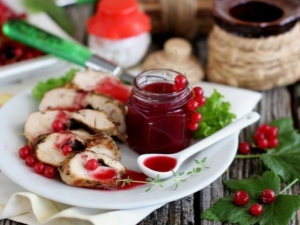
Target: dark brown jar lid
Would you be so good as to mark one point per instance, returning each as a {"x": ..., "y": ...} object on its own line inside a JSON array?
[{"x": 256, "y": 18}]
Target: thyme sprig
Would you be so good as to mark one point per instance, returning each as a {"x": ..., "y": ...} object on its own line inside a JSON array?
[{"x": 177, "y": 177}]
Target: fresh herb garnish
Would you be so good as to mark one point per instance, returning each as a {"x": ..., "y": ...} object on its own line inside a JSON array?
[
  {"x": 42, "y": 87},
  {"x": 279, "y": 212},
  {"x": 284, "y": 159},
  {"x": 215, "y": 115},
  {"x": 177, "y": 177},
  {"x": 58, "y": 14}
]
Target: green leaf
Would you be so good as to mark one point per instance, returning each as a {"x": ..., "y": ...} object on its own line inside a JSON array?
[
  {"x": 58, "y": 14},
  {"x": 284, "y": 160},
  {"x": 42, "y": 87},
  {"x": 278, "y": 213},
  {"x": 215, "y": 115}
]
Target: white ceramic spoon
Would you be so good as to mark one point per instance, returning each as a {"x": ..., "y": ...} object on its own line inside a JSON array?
[{"x": 180, "y": 157}]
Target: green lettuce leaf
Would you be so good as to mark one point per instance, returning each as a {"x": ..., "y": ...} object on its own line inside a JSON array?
[
  {"x": 42, "y": 87},
  {"x": 215, "y": 115}
]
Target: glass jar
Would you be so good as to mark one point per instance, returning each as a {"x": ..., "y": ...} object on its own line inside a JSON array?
[{"x": 157, "y": 119}]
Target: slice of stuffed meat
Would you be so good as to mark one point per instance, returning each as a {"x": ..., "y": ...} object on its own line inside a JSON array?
[{"x": 77, "y": 171}]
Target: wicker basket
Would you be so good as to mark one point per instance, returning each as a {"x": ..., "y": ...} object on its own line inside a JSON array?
[
  {"x": 181, "y": 18},
  {"x": 254, "y": 63}
]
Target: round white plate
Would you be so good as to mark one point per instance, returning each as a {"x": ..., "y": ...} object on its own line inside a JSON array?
[{"x": 219, "y": 157}]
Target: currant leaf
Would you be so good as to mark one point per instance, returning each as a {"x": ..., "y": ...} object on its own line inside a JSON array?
[
  {"x": 284, "y": 159},
  {"x": 278, "y": 213}
]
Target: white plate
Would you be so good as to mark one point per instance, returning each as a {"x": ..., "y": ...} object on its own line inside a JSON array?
[{"x": 219, "y": 157}]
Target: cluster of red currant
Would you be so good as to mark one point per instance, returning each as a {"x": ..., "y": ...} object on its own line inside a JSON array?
[
  {"x": 194, "y": 103},
  {"x": 12, "y": 51},
  {"x": 25, "y": 153},
  {"x": 265, "y": 137},
  {"x": 241, "y": 198}
]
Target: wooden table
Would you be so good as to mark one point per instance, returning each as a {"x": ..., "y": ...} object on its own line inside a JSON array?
[{"x": 276, "y": 103}]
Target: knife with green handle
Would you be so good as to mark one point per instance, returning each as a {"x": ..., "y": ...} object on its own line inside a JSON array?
[{"x": 35, "y": 37}]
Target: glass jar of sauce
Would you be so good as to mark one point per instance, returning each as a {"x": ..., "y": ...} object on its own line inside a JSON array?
[{"x": 157, "y": 119}]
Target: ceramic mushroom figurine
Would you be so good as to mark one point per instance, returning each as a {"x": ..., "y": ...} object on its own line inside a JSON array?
[{"x": 176, "y": 55}]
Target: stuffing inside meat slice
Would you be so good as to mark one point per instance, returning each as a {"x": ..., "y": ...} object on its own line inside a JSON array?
[
  {"x": 104, "y": 144},
  {"x": 39, "y": 123},
  {"x": 94, "y": 121},
  {"x": 63, "y": 99},
  {"x": 53, "y": 148},
  {"x": 74, "y": 171}
]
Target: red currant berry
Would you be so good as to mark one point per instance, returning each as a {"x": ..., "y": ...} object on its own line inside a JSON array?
[
  {"x": 264, "y": 128},
  {"x": 25, "y": 151},
  {"x": 241, "y": 198},
  {"x": 192, "y": 105},
  {"x": 66, "y": 149},
  {"x": 268, "y": 196},
  {"x": 30, "y": 161},
  {"x": 196, "y": 117},
  {"x": 256, "y": 209},
  {"x": 198, "y": 91},
  {"x": 263, "y": 143},
  {"x": 272, "y": 132},
  {"x": 273, "y": 142},
  {"x": 258, "y": 136},
  {"x": 58, "y": 125},
  {"x": 193, "y": 126},
  {"x": 201, "y": 100},
  {"x": 39, "y": 168},
  {"x": 180, "y": 81},
  {"x": 49, "y": 172},
  {"x": 92, "y": 164},
  {"x": 244, "y": 148}
]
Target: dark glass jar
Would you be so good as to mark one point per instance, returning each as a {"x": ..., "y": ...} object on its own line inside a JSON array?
[
  {"x": 157, "y": 119},
  {"x": 256, "y": 18}
]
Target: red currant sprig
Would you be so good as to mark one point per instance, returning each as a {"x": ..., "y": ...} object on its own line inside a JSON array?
[
  {"x": 266, "y": 136},
  {"x": 26, "y": 154},
  {"x": 193, "y": 104}
]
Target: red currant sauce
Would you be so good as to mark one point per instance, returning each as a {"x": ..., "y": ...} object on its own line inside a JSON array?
[{"x": 160, "y": 163}]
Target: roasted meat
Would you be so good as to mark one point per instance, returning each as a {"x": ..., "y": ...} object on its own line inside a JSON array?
[{"x": 73, "y": 172}]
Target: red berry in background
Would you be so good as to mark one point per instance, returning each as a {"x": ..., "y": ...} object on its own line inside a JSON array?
[
  {"x": 272, "y": 132},
  {"x": 263, "y": 128},
  {"x": 58, "y": 125},
  {"x": 196, "y": 117},
  {"x": 192, "y": 105},
  {"x": 268, "y": 196},
  {"x": 201, "y": 100},
  {"x": 39, "y": 168},
  {"x": 31, "y": 161},
  {"x": 273, "y": 142},
  {"x": 91, "y": 164},
  {"x": 49, "y": 172},
  {"x": 241, "y": 198},
  {"x": 66, "y": 149},
  {"x": 25, "y": 151},
  {"x": 244, "y": 148},
  {"x": 193, "y": 126},
  {"x": 180, "y": 81},
  {"x": 198, "y": 91},
  {"x": 258, "y": 136},
  {"x": 263, "y": 143},
  {"x": 256, "y": 209}
]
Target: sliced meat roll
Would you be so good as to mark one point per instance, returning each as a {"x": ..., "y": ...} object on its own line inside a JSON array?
[
  {"x": 48, "y": 148},
  {"x": 94, "y": 121},
  {"x": 104, "y": 144},
  {"x": 112, "y": 108},
  {"x": 73, "y": 171},
  {"x": 39, "y": 123},
  {"x": 63, "y": 99}
]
